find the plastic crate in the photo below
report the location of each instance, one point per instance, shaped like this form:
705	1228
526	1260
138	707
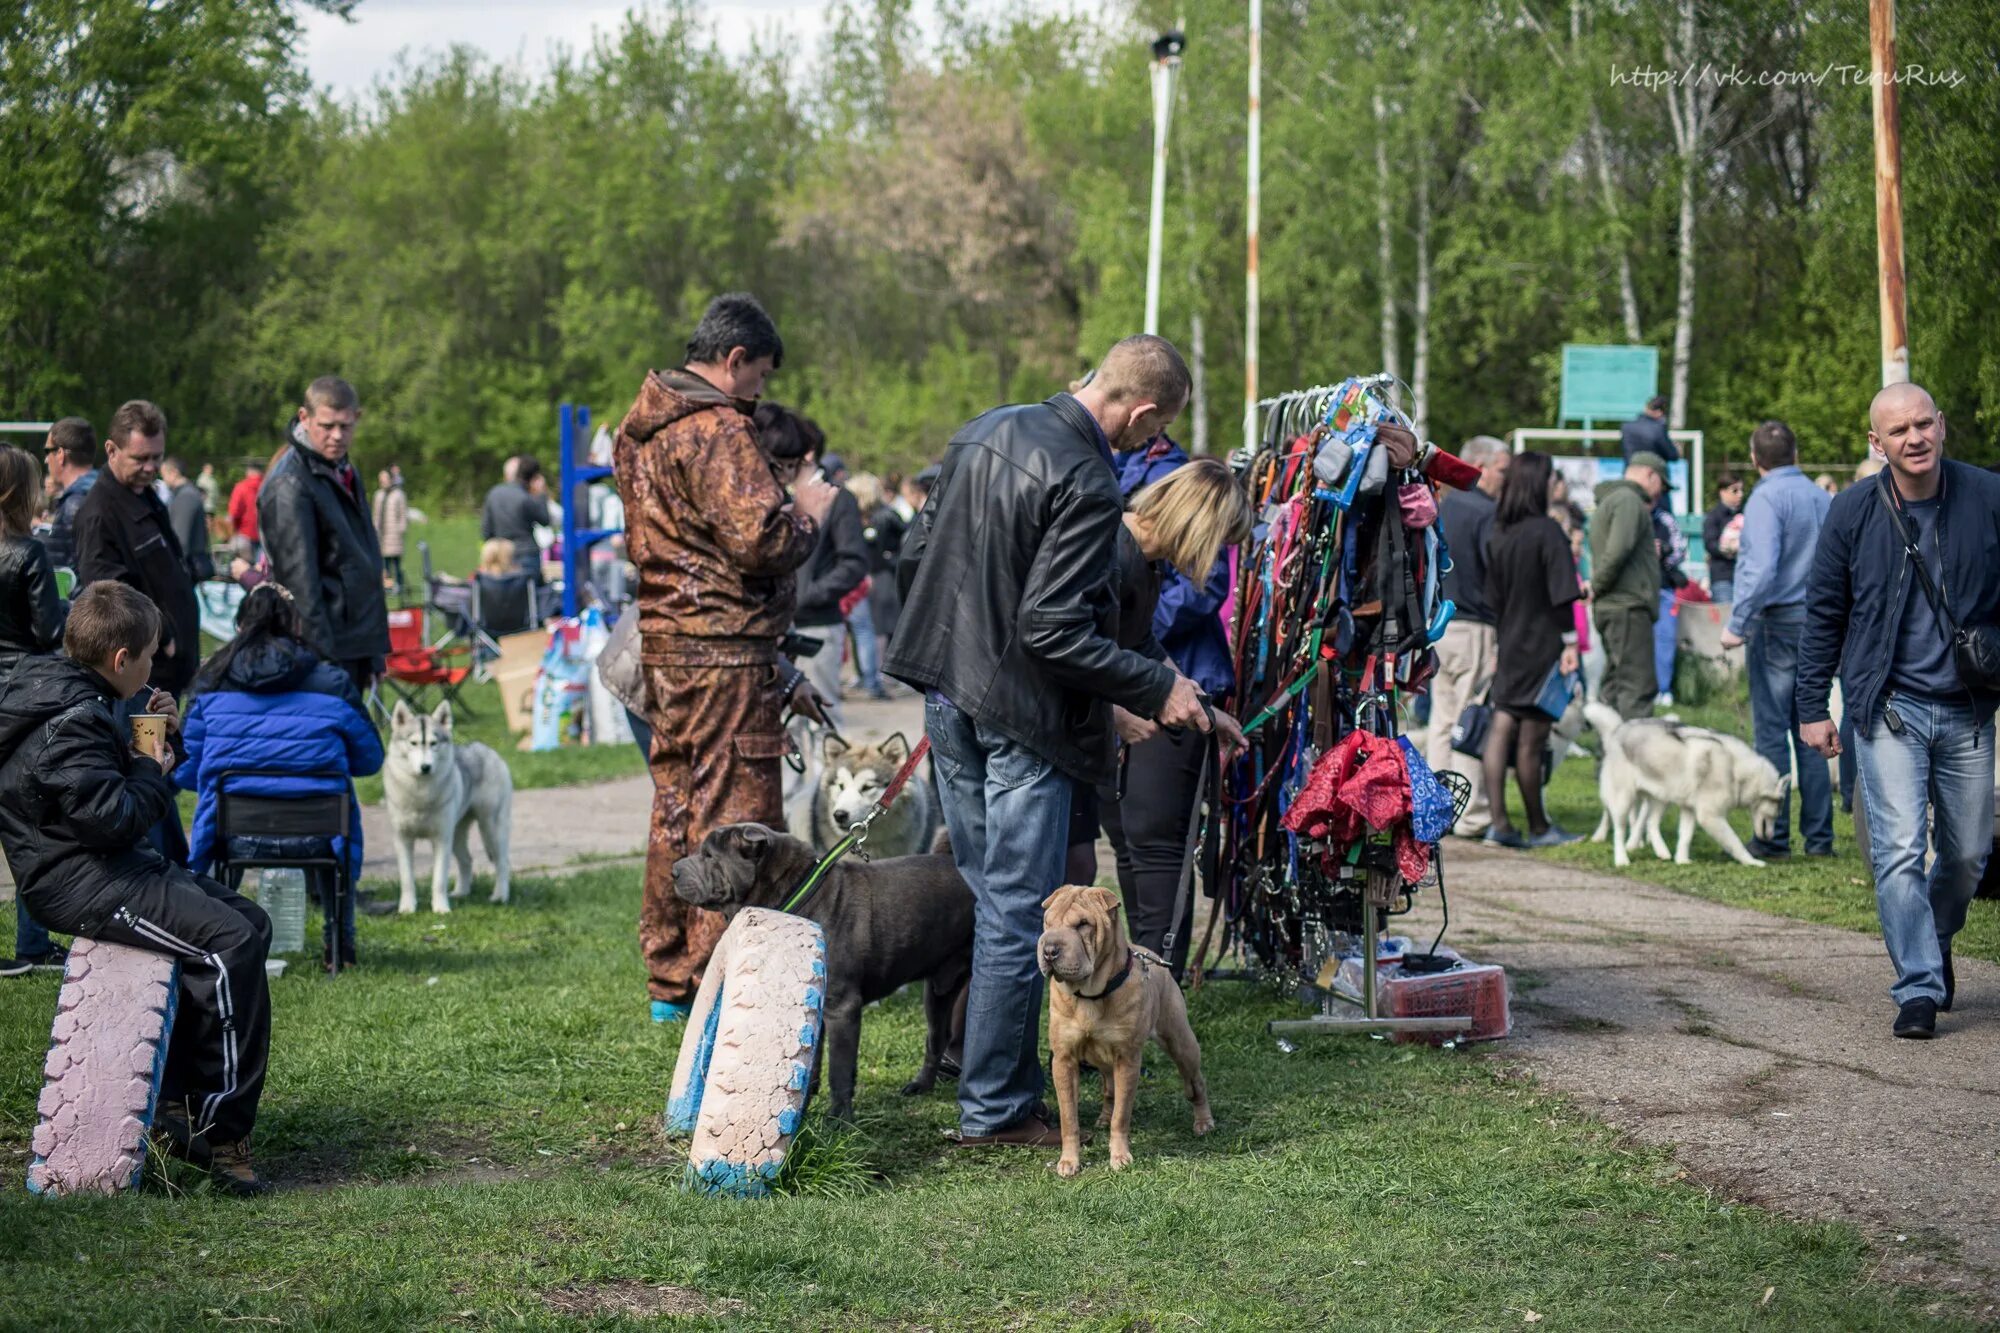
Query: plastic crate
1477	989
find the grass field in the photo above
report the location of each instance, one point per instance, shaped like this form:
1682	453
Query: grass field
465	1133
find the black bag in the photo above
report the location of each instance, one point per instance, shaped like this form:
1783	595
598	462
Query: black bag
1468	734
1975	650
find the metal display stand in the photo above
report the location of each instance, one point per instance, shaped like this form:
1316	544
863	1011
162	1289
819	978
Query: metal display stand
576	539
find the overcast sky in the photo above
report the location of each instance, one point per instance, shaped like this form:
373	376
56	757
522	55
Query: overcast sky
347	57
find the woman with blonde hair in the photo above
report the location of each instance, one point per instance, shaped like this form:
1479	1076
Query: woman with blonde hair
1173	579
496	557
31	621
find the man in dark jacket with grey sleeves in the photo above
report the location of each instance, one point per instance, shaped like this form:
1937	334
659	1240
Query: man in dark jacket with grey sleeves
1922	737
1008	623
313	515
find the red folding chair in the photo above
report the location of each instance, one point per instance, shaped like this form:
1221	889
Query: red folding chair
415	668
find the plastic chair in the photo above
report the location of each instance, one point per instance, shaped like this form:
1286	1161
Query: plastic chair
299	831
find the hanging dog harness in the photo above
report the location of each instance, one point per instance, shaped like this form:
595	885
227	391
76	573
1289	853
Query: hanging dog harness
859	833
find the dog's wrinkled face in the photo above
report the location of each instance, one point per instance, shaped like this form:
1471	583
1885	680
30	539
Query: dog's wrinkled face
725	870
856	778
1080	928
424	740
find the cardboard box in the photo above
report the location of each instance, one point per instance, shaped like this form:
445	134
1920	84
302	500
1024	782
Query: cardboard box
514	672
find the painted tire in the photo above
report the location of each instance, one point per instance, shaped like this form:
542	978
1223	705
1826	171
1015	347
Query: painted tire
746	1058
102	1078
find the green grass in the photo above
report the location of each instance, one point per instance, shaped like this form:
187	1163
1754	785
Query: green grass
465	1132
1837	891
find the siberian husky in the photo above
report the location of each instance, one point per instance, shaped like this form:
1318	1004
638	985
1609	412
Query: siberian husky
1651	763
852	779
437	790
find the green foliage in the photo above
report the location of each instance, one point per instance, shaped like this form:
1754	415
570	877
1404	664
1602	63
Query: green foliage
942	225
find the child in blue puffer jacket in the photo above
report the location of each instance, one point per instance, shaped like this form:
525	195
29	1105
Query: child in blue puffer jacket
267	701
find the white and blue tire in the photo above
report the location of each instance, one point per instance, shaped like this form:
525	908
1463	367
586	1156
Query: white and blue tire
746	1058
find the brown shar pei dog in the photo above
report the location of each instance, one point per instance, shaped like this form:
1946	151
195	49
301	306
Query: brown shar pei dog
1106	1000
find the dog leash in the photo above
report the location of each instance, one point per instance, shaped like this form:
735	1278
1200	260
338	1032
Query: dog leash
1204	793
859	833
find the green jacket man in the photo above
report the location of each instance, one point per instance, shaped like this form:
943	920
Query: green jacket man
1625	583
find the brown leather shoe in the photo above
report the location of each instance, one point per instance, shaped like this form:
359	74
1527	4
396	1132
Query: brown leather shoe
1034	1132
233	1172
174	1134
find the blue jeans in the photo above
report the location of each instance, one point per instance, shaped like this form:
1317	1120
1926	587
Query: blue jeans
1722	591
1772	656
1666	641
30	939
867	648
1008	812
1943	761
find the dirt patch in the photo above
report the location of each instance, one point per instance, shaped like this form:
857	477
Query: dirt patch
632	1298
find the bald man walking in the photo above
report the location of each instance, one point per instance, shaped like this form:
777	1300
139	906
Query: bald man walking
1923	738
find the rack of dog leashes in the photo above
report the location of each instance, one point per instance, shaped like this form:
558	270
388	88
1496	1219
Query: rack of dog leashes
1329	821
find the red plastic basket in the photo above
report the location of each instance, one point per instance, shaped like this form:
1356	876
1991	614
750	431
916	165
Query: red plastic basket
1476	989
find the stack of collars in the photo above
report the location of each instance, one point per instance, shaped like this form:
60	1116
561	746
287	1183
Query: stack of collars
1336	607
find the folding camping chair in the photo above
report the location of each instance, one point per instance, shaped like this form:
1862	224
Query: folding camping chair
502	604
289	832
414	668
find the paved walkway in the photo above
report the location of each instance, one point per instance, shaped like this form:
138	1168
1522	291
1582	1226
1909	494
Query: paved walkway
1756	1047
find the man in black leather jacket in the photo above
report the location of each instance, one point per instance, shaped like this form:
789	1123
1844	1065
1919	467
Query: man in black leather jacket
314	517
1010	608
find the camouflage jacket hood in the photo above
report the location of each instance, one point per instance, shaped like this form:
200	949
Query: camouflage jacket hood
707	525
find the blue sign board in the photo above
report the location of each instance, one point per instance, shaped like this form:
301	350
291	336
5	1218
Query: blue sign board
1607	383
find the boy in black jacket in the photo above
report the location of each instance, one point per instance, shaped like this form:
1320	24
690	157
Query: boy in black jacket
76	803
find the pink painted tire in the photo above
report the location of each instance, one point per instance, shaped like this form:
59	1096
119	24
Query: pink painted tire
102	1078
746	1058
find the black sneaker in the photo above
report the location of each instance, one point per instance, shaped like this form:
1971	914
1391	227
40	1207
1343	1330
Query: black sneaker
1950	984
16	967
1917	1019
51	961
1770	851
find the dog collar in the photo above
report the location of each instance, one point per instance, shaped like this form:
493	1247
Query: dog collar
1116	981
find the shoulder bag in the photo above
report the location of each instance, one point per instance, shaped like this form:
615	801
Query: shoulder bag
1975	649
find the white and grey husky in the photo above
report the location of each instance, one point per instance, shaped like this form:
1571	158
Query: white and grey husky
437	790
1652	763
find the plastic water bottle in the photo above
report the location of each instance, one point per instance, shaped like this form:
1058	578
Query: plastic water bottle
281	892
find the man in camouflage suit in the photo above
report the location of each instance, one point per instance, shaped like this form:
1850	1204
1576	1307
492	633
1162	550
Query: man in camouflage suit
715	541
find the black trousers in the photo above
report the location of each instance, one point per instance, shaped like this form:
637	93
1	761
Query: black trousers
221	1039
1148	831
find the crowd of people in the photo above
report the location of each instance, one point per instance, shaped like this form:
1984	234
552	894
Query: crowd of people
1053	589
88	813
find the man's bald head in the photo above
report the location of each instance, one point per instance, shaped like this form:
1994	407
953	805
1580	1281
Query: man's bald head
1898	398
1905	425
1137	391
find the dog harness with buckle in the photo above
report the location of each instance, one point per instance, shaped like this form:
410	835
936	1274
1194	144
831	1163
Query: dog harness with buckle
859	833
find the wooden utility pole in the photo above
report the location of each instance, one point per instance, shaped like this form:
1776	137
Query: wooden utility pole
1889	195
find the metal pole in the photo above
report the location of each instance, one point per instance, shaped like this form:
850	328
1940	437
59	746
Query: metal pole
1166	65
1250	220
1888	195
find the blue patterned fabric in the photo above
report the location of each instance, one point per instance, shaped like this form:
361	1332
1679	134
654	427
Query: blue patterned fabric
1430	803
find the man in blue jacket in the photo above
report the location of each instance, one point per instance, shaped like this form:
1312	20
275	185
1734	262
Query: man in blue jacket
1924	741
1781	527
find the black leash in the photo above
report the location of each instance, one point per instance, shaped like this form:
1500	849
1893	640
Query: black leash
1204	794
